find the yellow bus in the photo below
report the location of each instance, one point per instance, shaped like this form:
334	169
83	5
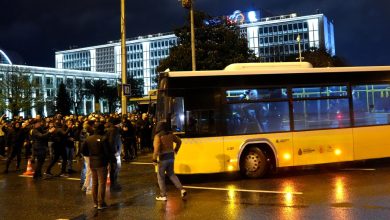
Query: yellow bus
255	118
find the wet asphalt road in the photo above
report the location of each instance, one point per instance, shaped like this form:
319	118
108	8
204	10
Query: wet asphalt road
346	191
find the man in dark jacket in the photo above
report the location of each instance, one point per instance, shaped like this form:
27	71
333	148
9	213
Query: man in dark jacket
114	141
15	139
39	141
144	131
128	140
58	137
96	147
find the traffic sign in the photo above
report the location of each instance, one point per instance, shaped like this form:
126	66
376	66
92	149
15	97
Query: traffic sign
126	89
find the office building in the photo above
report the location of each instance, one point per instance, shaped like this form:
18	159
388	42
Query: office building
272	38
143	56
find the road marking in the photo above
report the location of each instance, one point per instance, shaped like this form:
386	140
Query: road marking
357	169
141	163
26	176
69	178
243	190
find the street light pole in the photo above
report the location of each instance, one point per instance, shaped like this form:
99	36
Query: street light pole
188	4
123	57
192	37
299	48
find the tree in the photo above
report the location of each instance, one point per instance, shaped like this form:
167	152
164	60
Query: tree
18	92
216	47
319	57
80	94
137	87
112	97
63	101
97	89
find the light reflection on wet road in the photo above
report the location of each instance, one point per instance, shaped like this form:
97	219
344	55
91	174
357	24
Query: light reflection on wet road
316	193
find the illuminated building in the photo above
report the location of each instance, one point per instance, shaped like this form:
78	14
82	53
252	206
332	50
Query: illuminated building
143	56
49	79
272	38
4	58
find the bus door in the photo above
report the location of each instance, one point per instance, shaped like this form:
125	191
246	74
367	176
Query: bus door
201	151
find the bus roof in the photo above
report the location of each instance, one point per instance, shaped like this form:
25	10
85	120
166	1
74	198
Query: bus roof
274	68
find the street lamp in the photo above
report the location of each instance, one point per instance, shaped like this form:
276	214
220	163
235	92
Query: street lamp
299	48
123	57
188	4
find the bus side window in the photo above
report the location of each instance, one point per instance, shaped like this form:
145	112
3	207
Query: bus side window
200	122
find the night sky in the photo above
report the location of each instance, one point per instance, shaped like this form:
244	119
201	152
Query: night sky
31	31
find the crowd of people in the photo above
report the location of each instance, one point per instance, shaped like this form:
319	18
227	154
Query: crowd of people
99	140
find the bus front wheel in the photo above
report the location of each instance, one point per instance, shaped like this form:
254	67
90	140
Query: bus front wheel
253	163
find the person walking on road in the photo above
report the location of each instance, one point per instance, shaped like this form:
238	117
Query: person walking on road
114	141
165	151
96	147
15	141
58	137
39	139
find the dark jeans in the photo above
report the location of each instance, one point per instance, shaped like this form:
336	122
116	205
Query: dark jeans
114	171
99	180
69	156
16	152
166	166
28	150
129	148
57	154
2	145
40	160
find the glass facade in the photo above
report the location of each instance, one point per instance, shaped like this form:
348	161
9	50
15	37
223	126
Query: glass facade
105	60
77	61
135	64
274	39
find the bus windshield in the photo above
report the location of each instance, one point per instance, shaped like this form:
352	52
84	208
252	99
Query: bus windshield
170	109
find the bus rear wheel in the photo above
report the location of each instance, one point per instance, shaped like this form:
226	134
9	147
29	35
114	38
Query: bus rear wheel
254	163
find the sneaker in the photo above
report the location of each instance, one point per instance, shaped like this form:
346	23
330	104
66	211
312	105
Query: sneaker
103	206
183	193
95	206
64	175
161	198
48	174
